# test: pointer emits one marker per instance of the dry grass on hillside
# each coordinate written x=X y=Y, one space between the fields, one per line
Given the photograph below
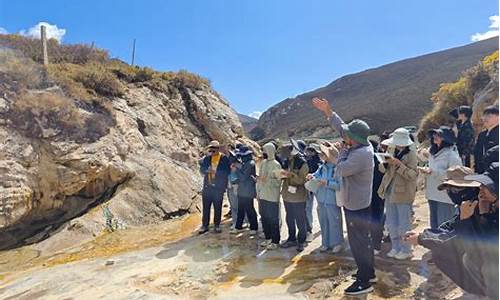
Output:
x=461 y=92
x=86 y=72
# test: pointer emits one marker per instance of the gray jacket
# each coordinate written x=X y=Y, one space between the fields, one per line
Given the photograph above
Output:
x=355 y=166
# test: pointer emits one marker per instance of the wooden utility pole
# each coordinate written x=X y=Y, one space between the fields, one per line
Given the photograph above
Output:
x=43 y=37
x=133 y=53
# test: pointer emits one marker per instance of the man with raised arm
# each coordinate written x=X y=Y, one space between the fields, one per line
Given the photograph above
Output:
x=355 y=166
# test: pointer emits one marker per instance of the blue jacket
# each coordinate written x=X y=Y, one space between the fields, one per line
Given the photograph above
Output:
x=326 y=194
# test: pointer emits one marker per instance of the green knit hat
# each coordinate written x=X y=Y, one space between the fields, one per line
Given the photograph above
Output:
x=358 y=131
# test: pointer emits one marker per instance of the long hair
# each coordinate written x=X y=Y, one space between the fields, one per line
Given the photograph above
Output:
x=435 y=148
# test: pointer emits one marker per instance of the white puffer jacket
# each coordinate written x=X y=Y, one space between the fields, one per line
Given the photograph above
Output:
x=439 y=163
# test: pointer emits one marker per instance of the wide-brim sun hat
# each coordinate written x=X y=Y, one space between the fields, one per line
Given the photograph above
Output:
x=244 y=151
x=329 y=150
x=297 y=146
x=400 y=137
x=456 y=177
x=358 y=131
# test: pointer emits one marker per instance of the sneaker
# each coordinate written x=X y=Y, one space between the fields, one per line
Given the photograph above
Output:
x=288 y=244
x=272 y=246
x=376 y=252
x=403 y=255
x=300 y=247
x=392 y=253
x=309 y=237
x=337 y=249
x=262 y=235
x=323 y=249
x=203 y=230
x=265 y=243
x=217 y=229
x=235 y=230
x=374 y=279
x=253 y=232
x=358 y=288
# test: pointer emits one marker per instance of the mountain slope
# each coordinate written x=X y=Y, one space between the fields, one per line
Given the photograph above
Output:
x=386 y=97
x=247 y=122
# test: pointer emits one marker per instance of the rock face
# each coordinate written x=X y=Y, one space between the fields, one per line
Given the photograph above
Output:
x=141 y=159
x=386 y=97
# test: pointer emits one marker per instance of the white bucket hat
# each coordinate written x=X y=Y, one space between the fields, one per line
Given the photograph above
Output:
x=400 y=137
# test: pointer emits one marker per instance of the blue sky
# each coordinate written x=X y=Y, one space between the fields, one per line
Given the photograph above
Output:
x=259 y=52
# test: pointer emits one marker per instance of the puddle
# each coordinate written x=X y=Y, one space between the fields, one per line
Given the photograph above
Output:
x=297 y=272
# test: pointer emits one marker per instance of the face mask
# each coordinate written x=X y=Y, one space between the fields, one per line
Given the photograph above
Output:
x=458 y=196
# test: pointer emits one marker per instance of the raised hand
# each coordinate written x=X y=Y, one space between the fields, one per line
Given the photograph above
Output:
x=322 y=105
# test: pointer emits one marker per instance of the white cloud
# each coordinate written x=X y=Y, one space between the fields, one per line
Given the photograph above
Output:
x=256 y=114
x=53 y=32
x=3 y=30
x=495 y=22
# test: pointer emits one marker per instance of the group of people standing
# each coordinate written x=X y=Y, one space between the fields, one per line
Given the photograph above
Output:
x=373 y=185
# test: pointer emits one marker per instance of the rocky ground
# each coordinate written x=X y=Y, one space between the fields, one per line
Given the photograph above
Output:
x=170 y=261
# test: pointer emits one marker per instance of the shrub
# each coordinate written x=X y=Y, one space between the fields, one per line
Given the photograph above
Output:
x=58 y=53
x=95 y=77
x=86 y=81
x=191 y=80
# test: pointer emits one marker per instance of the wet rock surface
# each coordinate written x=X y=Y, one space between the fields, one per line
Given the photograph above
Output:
x=176 y=263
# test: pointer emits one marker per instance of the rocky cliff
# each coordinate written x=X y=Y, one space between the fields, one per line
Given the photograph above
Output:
x=72 y=163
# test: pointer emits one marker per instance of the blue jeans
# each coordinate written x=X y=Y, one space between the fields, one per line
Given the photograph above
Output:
x=398 y=222
x=440 y=212
x=233 y=203
x=330 y=221
x=309 y=211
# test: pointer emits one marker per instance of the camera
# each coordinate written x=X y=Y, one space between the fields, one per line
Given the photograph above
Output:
x=460 y=194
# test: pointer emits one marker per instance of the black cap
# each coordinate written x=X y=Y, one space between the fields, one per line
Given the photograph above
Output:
x=445 y=132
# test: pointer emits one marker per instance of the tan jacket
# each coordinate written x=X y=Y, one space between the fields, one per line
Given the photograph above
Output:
x=404 y=180
x=296 y=181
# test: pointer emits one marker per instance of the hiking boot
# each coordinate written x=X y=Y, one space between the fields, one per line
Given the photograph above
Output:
x=373 y=279
x=300 y=247
x=403 y=256
x=288 y=244
x=392 y=253
x=217 y=229
x=203 y=230
x=358 y=288
x=323 y=249
x=265 y=243
x=272 y=246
